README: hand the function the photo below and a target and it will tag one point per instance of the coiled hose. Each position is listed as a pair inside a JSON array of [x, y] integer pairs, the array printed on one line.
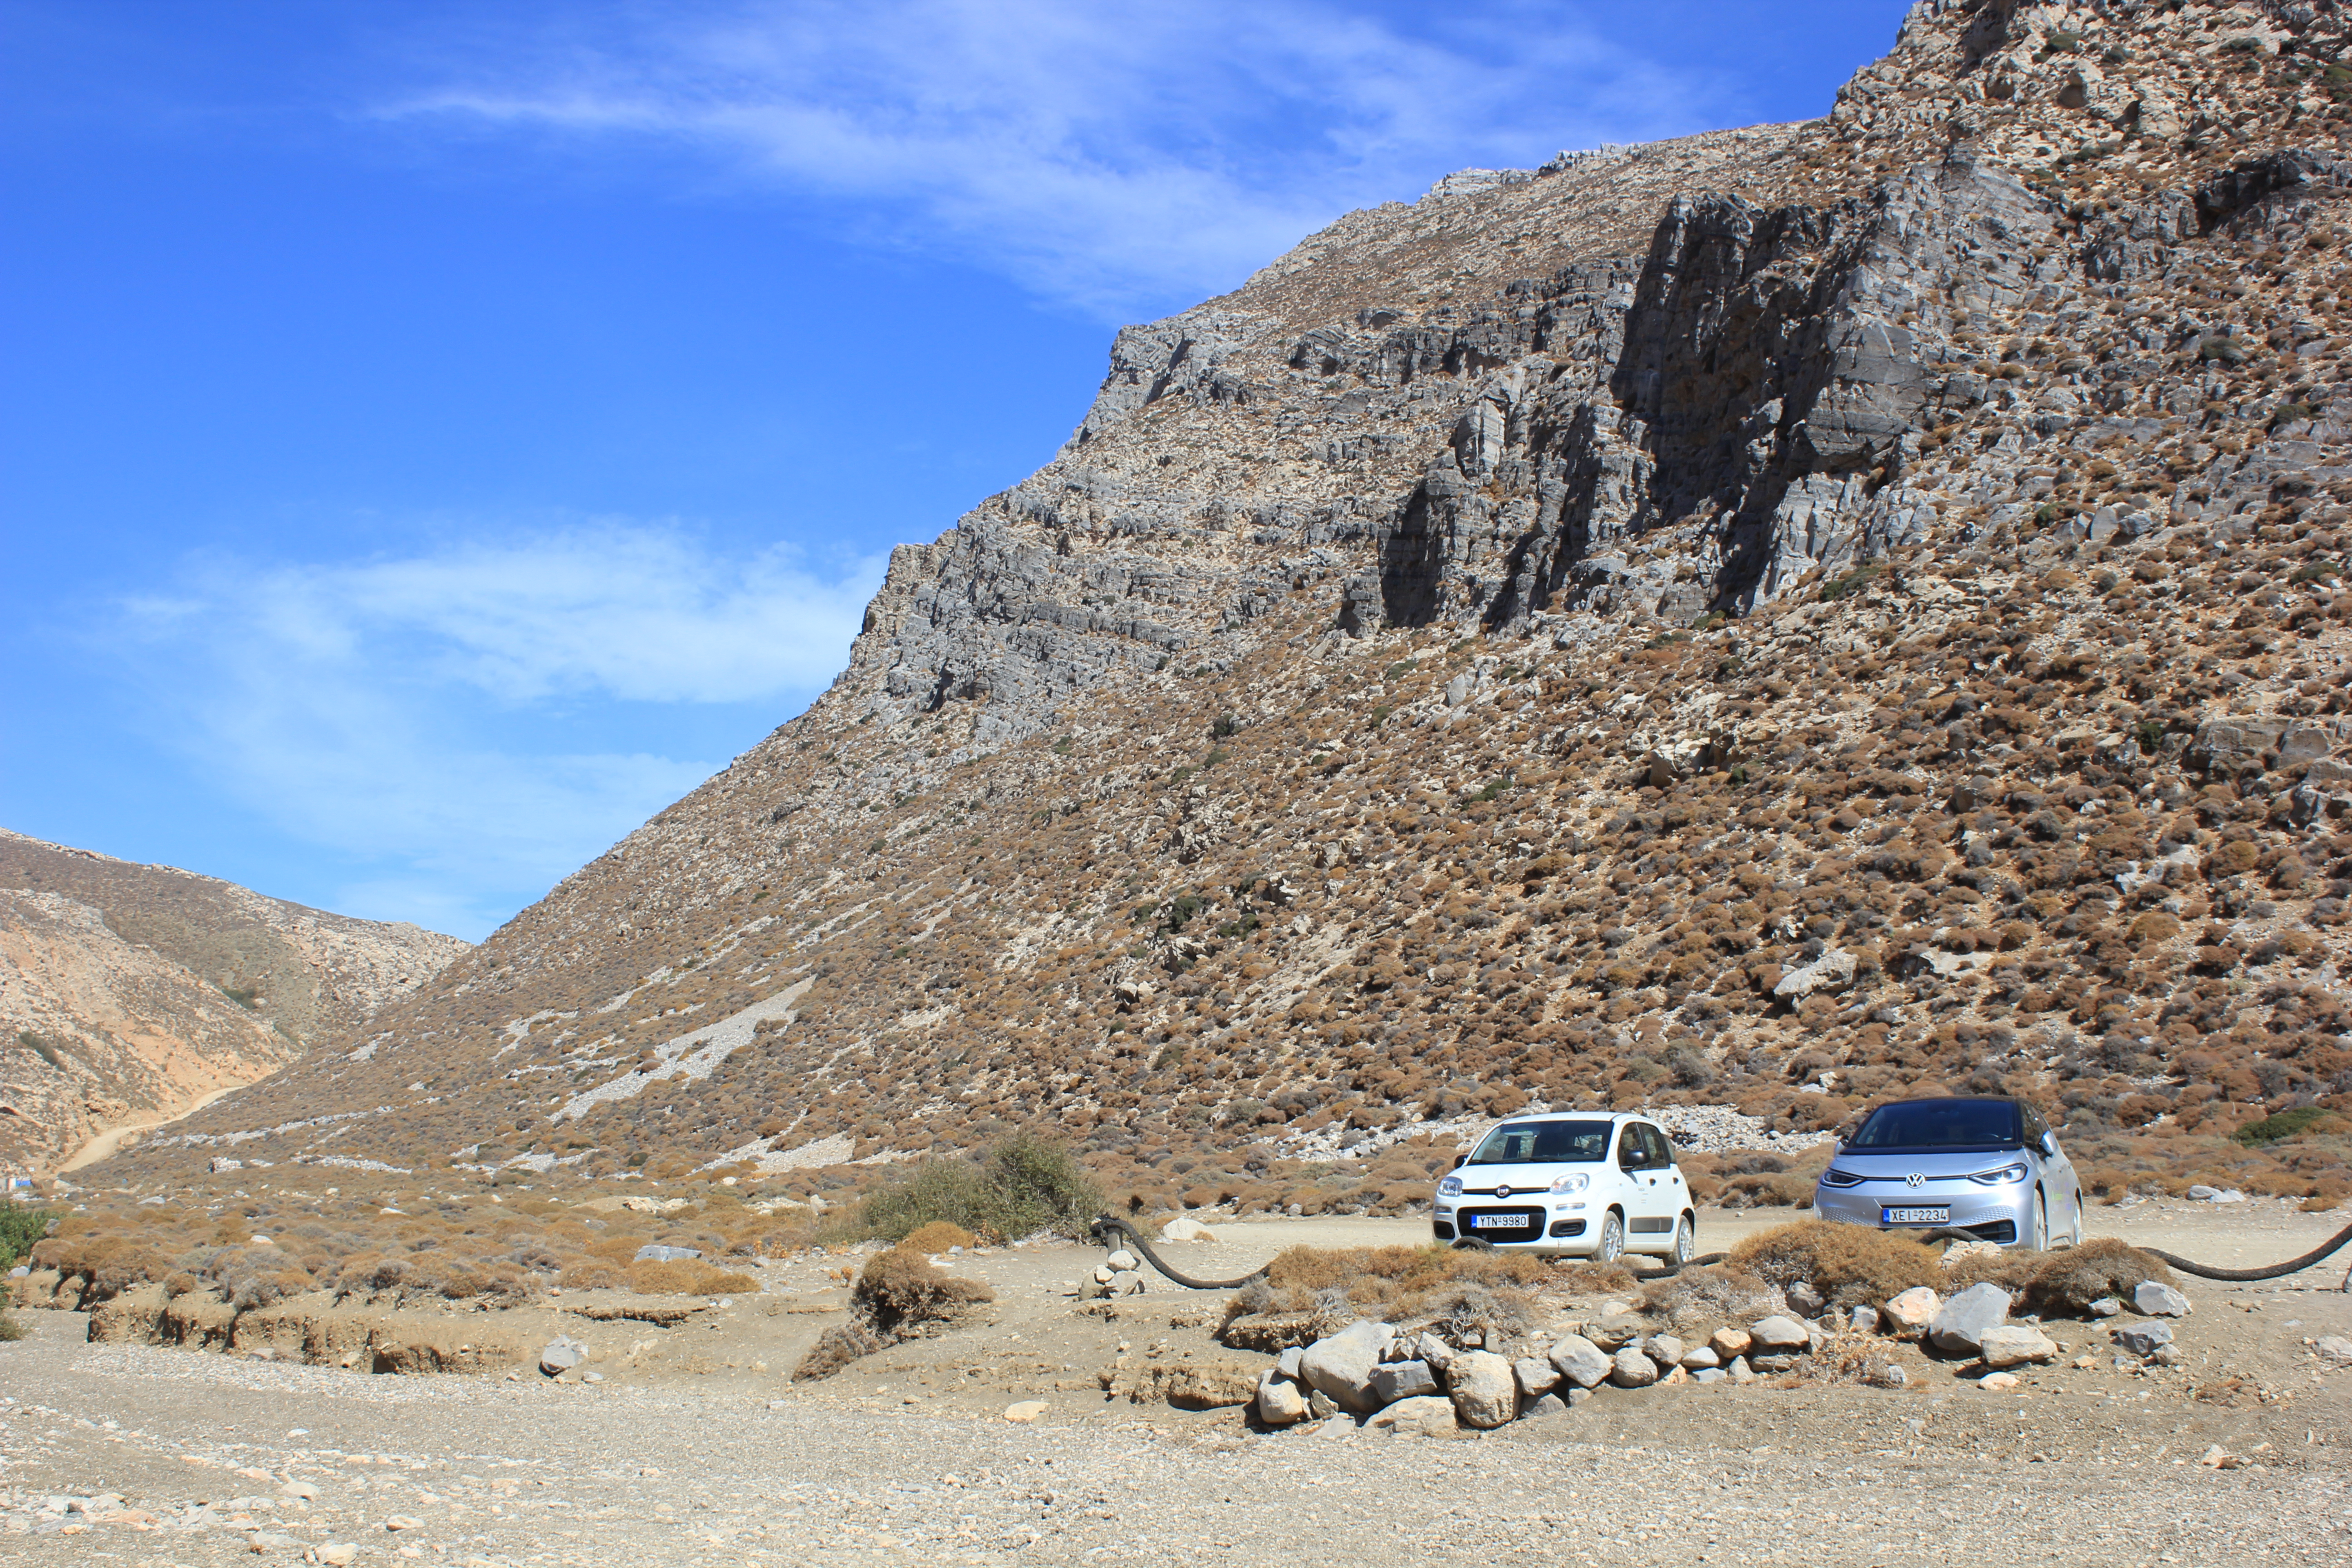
[[2292, 1266]]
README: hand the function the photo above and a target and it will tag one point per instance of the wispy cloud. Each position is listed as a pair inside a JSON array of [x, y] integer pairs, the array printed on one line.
[[437, 716], [1117, 156]]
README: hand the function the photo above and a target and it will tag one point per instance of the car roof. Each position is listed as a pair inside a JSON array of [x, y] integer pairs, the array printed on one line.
[[1955, 1100]]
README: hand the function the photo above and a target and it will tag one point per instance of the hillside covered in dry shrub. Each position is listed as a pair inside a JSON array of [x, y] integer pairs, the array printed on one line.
[[1768, 621]]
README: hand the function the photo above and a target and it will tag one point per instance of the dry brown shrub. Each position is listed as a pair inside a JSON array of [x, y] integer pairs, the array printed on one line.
[[1850, 1357], [1718, 1295], [1582, 1276], [595, 1275], [2012, 1269], [900, 1296], [1849, 1265], [686, 1277], [1454, 1288], [935, 1237], [2069, 1282]]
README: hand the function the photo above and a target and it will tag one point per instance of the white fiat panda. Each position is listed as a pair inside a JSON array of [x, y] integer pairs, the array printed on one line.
[[1570, 1185]]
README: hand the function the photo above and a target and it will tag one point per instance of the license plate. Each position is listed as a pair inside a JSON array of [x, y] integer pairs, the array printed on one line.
[[1497, 1221], [1915, 1216]]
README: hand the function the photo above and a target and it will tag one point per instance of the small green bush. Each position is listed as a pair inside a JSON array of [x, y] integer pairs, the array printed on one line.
[[1026, 1184], [1837, 588], [20, 1227], [2286, 1124]]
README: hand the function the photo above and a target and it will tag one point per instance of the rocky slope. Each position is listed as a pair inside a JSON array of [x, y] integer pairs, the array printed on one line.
[[1747, 624], [128, 992]]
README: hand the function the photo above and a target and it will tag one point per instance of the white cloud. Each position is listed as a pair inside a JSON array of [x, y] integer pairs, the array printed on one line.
[[1109, 155], [441, 712]]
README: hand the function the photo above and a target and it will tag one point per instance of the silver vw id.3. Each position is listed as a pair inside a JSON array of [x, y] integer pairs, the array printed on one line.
[[1989, 1167]]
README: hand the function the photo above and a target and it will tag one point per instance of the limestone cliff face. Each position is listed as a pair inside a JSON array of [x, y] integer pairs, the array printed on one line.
[[128, 992], [1493, 655]]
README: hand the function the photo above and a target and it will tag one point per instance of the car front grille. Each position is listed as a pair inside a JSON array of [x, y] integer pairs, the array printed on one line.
[[1526, 1224]]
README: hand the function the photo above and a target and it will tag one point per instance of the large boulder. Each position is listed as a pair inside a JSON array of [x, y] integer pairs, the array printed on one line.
[[1664, 1349], [1779, 1335], [1536, 1376], [1960, 1328], [1580, 1360], [1340, 1367], [561, 1356], [1486, 1393], [1832, 971]]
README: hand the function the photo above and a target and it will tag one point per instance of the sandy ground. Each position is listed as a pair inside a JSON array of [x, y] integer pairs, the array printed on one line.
[[696, 1449]]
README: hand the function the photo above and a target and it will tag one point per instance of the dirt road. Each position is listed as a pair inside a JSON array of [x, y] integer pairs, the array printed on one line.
[[108, 1141], [685, 1454]]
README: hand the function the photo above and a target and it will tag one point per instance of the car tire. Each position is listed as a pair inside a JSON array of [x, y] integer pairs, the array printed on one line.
[[2038, 1239], [2078, 1220], [1686, 1240], [1612, 1239]]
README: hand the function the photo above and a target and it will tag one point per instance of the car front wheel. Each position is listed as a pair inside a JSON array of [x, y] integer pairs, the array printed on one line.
[[1685, 1241], [2038, 1239], [1612, 1237]]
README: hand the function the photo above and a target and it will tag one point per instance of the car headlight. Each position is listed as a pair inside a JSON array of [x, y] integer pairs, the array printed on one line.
[[2006, 1175], [1575, 1184], [1837, 1178], [1449, 1186]]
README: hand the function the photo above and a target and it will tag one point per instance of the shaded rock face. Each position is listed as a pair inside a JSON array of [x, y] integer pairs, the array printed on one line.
[[1752, 387]]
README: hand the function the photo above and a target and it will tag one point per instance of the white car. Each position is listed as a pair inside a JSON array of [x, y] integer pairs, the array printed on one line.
[[1570, 1185]]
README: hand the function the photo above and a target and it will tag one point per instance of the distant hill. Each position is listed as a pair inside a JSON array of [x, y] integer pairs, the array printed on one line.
[[129, 994]]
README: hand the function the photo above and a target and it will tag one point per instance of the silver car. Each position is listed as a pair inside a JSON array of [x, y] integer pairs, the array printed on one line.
[[1989, 1167]]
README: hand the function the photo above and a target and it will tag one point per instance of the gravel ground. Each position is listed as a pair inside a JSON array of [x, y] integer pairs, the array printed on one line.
[[2090, 1468]]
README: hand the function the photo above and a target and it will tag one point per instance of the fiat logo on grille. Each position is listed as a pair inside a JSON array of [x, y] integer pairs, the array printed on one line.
[[1915, 1180], [1502, 1192]]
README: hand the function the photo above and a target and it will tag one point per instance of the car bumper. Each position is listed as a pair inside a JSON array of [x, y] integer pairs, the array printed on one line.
[[2001, 1214]]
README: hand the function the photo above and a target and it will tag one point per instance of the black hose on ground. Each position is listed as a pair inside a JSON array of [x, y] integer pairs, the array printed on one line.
[[2292, 1266], [1109, 1224]]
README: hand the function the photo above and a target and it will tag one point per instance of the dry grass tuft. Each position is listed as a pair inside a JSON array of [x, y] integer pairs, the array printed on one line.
[[1849, 1265], [687, 1277], [936, 1237]]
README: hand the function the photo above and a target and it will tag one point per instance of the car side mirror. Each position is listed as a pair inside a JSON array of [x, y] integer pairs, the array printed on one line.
[[1460, 1160], [2050, 1145]]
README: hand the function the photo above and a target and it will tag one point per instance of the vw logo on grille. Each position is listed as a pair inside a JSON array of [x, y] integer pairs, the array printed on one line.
[[1502, 1192], [1915, 1180]]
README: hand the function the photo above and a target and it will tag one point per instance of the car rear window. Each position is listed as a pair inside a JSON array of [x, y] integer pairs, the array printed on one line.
[[1544, 1143], [1941, 1125]]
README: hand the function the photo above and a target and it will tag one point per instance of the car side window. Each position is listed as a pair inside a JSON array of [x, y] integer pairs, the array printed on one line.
[[1630, 1154], [1662, 1151]]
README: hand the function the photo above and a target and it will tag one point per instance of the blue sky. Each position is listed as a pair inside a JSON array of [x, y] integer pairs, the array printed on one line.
[[434, 436]]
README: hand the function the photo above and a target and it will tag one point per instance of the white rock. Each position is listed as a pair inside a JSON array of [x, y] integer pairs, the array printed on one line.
[[2333, 1347], [1782, 1335], [1280, 1402], [1121, 1262], [1025, 1410], [1395, 1380], [1536, 1375], [1997, 1382], [1832, 971], [1629, 1368], [1701, 1358], [2153, 1298], [1906, 1316], [1429, 1415], [2015, 1344], [1340, 1366], [1580, 1360], [1184, 1229], [1960, 1328]]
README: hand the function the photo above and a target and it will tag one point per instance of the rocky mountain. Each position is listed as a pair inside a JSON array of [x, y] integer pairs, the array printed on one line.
[[1744, 624], [131, 993]]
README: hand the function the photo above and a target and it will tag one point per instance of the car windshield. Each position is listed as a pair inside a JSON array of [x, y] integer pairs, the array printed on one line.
[[1941, 1125], [1544, 1143]]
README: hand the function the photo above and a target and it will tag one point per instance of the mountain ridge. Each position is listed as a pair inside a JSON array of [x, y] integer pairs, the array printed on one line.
[[1748, 624]]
